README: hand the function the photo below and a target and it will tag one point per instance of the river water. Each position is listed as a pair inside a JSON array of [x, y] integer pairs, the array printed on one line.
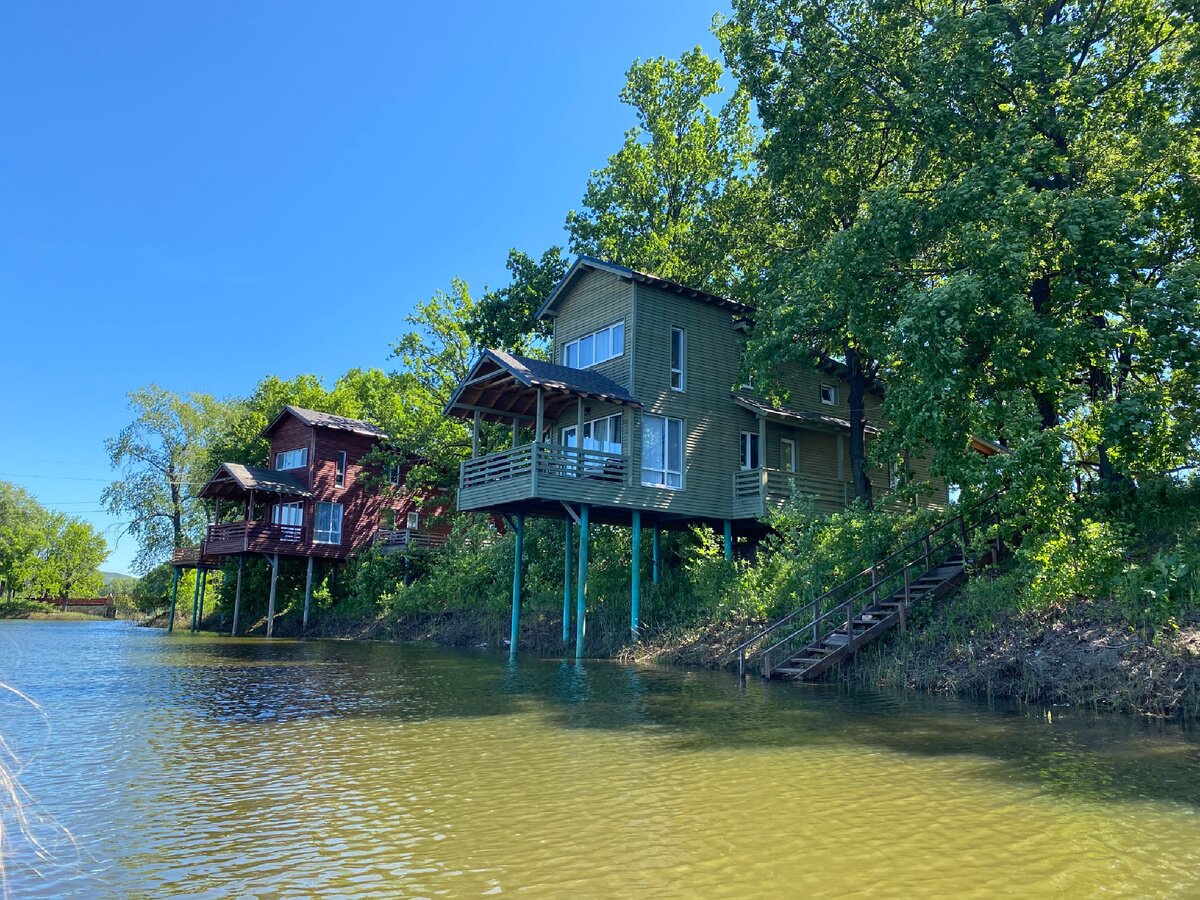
[[159, 765]]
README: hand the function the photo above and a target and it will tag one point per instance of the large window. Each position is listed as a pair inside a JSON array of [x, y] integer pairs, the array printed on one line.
[[329, 524], [291, 459], [678, 359], [340, 478], [662, 452], [290, 515], [597, 347], [750, 457], [603, 435]]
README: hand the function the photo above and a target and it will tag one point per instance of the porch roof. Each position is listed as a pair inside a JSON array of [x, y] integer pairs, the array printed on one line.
[[502, 386], [801, 417], [234, 479]]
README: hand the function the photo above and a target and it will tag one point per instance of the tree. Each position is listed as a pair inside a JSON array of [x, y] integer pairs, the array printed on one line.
[[1037, 226], [678, 199], [506, 318], [71, 562], [159, 456], [24, 526]]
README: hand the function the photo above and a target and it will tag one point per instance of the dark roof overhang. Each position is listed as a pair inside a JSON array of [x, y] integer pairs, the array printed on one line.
[[503, 386], [317, 419], [800, 418], [236, 480]]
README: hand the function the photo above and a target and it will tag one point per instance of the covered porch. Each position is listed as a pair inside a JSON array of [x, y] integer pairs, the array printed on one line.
[[282, 497]]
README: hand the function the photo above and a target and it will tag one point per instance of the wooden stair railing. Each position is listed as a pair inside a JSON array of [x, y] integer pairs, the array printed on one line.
[[814, 637]]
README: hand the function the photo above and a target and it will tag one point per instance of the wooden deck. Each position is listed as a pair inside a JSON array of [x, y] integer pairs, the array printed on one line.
[[545, 472], [399, 540], [254, 537], [757, 492]]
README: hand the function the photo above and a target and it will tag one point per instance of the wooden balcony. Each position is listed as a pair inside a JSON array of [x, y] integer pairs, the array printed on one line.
[[542, 471], [759, 491], [396, 540], [253, 537]]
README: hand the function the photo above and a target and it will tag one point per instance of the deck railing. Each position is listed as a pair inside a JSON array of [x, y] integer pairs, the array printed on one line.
[[541, 459], [758, 487], [896, 572], [249, 532], [408, 537]]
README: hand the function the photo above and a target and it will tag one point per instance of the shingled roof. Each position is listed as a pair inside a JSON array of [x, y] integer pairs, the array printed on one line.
[[234, 478], [319, 419], [793, 415], [502, 385]]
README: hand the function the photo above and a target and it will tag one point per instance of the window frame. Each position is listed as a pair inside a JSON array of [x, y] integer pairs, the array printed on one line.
[[339, 475], [665, 470], [572, 352], [681, 369], [790, 461], [280, 455], [412, 521], [833, 394], [750, 447], [330, 531]]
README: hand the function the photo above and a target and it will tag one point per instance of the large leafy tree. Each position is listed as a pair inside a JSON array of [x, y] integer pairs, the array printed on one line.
[[160, 456], [73, 555], [24, 538], [677, 199], [506, 318], [1037, 229]]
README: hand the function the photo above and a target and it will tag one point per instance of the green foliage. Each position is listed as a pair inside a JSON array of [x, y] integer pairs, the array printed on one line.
[[46, 553], [506, 318]]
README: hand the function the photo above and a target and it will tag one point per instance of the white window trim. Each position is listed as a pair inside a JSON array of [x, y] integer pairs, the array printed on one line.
[[283, 454], [833, 394], [789, 455], [682, 473], [413, 521], [317, 518], [340, 464], [562, 431], [748, 441], [595, 362], [681, 371]]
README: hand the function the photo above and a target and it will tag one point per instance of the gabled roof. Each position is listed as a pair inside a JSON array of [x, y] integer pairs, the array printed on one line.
[[589, 263], [792, 415], [234, 478], [319, 419], [501, 386]]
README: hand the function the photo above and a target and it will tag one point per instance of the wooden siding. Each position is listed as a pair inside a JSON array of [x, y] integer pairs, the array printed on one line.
[[598, 300]]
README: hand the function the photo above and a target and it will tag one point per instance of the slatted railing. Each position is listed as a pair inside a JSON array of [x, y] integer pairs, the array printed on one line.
[[408, 537], [894, 573], [544, 459]]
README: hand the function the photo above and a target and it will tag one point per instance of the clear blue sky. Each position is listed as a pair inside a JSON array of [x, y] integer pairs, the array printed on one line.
[[202, 194]]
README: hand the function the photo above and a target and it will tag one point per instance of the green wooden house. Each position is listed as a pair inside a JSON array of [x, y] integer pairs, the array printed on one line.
[[644, 418]]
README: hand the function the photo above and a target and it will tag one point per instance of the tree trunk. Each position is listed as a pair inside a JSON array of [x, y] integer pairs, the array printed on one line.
[[859, 470]]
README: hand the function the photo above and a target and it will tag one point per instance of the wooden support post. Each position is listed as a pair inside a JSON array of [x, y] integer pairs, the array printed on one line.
[[635, 587], [475, 436], [237, 595], [566, 622], [518, 572], [174, 595], [655, 552], [271, 597], [729, 539], [307, 597], [579, 438], [196, 597], [581, 592], [516, 432], [203, 591], [540, 424]]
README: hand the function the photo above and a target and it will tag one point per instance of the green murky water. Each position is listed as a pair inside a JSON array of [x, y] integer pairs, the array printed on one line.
[[161, 765]]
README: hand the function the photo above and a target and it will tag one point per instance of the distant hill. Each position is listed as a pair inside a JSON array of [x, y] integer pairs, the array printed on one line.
[[117, 579]]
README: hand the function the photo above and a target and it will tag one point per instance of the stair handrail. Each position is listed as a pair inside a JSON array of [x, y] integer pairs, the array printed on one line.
[[925, 539]]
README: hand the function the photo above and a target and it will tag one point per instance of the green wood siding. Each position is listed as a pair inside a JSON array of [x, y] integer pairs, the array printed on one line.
[[598, 300]]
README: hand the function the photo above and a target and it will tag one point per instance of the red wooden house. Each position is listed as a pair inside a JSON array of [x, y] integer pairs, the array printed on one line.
[[316, 499]]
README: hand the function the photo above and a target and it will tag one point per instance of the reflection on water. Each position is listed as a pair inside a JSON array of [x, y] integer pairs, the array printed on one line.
[[209, 767]]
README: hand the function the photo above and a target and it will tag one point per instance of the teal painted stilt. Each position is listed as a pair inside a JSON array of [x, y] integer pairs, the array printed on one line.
[[567, 582], [517, 573], [174, 595], [581, 592], [656, 552], [196, 598], [728, 539], [203, 592], [635, 586]]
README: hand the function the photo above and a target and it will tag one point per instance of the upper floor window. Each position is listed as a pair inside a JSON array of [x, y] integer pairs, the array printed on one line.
[[678, 359], [597, 347], [750, 457], [291, 459], [787, 455], [662, 452], [829, 394], [340, 477], [328, 528]]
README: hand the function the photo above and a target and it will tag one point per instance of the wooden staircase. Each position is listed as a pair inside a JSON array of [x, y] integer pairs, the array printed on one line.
[[820, 634]]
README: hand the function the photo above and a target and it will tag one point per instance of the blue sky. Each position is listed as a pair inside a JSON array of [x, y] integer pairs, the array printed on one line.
[[202, 194]]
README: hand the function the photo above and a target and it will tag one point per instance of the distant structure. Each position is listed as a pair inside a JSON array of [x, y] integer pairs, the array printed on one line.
[[312, 501]]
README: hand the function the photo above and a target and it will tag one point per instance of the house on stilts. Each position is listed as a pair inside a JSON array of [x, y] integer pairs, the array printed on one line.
[[644, 418], [312, 501]]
